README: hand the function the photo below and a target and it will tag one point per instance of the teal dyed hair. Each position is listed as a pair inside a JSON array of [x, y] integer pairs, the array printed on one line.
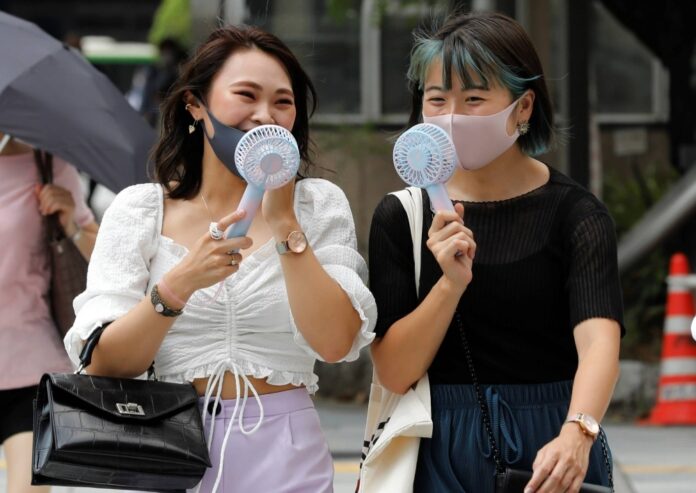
[[483, 49]]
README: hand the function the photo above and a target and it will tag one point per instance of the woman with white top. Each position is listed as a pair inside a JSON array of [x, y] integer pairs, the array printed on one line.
[[233, 324]]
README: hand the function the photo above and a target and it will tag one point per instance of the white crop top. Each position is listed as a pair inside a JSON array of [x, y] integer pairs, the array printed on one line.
[[249, 327]]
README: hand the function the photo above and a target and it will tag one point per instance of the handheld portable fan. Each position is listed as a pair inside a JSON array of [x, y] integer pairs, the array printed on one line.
[[267, 157], [424, 157]]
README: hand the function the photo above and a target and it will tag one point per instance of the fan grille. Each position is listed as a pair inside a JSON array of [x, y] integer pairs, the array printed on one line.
[[267, 156], [424, 155]]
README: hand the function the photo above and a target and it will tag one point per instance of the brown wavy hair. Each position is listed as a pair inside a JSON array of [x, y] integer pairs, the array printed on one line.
[[178, 155]]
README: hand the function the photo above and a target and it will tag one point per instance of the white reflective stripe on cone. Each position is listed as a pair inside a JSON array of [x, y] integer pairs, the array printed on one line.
[[681, 282], [678, 324], [678, 366], [678, 392]]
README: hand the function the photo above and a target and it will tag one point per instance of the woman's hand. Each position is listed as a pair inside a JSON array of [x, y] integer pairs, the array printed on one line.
[[54, 199], [278, 207], [209, 261], [453, 246], [560, 466]]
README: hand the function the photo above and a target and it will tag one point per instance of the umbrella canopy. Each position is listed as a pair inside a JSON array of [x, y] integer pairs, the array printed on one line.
[[52, 98]]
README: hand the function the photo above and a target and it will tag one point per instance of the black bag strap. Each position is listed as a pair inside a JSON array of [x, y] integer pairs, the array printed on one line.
[[499, 467], [91, 343], [44, 164]]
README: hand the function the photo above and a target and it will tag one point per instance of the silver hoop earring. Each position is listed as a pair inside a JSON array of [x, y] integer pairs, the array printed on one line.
[[523, 128]]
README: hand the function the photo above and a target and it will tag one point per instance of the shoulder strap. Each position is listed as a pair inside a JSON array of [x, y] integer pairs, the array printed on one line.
[[44, 163], [412, 202]]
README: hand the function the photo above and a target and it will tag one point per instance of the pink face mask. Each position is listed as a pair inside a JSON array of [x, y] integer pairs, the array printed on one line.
[[478, 140]]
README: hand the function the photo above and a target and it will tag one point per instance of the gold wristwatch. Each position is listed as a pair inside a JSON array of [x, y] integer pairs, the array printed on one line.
[[587, 424], [296, 242]]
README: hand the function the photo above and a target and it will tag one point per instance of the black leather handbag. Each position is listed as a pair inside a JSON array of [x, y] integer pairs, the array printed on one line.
[[514, 480], [508, 480], [117, 432]]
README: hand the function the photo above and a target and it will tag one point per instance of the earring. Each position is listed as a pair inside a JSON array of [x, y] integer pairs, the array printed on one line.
[[192, 127], [523, 128]]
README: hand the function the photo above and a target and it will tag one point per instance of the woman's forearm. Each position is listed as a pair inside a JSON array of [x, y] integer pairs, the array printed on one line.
[[84, 238], [598, 367], [408, 348], [128, 346], [321, 309]]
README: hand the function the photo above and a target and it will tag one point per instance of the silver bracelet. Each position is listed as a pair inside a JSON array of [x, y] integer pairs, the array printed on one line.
[[76, 235]]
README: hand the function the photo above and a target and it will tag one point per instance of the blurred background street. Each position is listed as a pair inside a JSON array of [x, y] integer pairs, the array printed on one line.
[[622, 74]]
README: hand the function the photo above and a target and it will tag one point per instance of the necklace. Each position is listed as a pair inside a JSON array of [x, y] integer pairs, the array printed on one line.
[[210, 214]]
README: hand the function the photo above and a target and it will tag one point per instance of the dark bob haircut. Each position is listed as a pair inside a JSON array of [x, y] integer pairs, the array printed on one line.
[[493, 48]]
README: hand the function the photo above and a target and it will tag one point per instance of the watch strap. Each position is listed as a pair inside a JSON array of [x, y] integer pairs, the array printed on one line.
[[160, 306], [282, 247]]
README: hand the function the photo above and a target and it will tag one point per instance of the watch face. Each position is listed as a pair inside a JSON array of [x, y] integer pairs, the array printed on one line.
[[297, 242], [589, 423]]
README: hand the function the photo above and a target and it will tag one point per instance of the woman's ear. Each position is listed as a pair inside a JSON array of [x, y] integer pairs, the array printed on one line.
[[193, 106], [525, 106]]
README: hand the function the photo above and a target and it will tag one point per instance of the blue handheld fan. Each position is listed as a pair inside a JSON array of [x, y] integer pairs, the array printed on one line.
[[267, 157], [424, 157]]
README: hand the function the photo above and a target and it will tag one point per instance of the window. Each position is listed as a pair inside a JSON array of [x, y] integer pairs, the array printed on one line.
[[327, 43], [629, 84]]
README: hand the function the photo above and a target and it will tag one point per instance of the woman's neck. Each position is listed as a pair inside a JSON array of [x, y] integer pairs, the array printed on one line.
[[510, 175], [221, 190]]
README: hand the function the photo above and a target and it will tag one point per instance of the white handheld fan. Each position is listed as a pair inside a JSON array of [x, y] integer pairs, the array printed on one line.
[[267, 157], [424, 156]]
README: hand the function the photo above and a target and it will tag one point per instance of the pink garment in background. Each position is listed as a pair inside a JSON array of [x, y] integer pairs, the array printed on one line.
[[29, 343]]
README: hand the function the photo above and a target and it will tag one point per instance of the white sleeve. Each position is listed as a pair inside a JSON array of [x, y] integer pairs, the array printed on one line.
[[327, 220], [119, 269]]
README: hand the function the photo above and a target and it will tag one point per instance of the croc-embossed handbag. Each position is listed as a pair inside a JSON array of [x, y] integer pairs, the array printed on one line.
[[68, 266], [117, 433]]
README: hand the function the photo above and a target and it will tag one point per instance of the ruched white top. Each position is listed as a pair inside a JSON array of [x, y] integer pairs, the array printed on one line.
[[248, 328]]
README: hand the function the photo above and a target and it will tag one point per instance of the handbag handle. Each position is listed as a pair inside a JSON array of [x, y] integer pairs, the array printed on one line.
[[487, 419], [88, 349]]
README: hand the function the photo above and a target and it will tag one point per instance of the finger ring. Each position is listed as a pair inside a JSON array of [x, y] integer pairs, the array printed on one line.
[[234, 262], [215, 232]]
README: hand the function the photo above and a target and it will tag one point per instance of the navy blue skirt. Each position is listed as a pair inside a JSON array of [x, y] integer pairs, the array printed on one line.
[[524, 418]]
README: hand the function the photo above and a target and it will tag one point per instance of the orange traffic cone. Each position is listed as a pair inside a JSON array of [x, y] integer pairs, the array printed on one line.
[[676, 399]]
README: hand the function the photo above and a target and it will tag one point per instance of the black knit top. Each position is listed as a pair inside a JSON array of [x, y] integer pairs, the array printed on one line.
[[545, 261]]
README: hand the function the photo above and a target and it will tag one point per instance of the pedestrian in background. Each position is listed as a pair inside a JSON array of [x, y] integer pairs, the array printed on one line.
[[29, 342], [525, 271]]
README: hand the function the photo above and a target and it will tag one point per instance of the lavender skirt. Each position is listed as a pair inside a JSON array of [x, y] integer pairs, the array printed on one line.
[[288, 452]]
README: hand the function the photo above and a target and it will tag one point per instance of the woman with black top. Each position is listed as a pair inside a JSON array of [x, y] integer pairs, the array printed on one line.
[[534, 287]]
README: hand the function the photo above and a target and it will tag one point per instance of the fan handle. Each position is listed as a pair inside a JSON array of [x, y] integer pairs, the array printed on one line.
[[251, 200], [439, 197]]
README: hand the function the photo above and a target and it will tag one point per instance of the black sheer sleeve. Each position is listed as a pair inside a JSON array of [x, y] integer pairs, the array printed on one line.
[[392, 279], [594, 287]]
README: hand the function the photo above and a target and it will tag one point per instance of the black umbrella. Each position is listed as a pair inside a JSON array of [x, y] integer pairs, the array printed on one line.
[[54, 99]]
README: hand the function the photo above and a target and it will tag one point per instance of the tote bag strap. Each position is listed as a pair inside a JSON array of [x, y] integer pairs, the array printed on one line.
[[411, 199]]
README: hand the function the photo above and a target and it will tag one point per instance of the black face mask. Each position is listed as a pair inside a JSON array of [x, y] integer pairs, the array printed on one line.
[[224, 142]]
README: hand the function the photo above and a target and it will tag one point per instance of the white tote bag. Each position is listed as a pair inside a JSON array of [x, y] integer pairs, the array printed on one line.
[[396, 423]]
